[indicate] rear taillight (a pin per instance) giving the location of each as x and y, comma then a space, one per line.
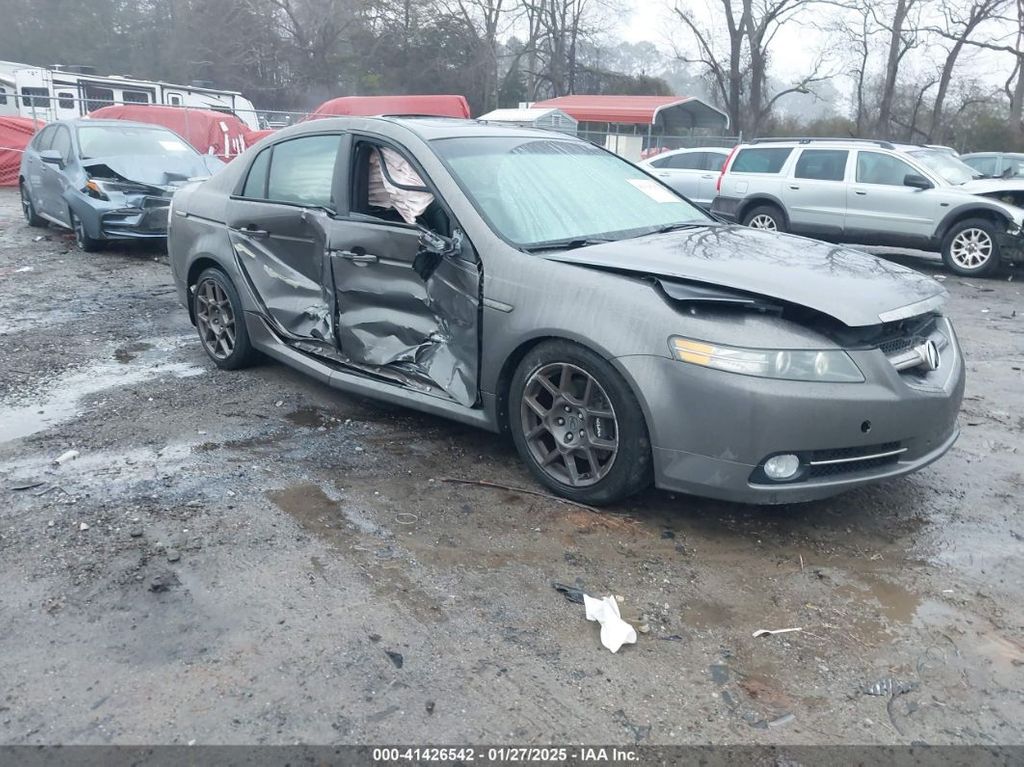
725, 166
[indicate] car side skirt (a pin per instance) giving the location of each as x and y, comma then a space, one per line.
264, 339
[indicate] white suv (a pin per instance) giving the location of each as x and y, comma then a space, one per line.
873, 193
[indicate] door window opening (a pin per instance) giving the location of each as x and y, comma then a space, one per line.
388, 187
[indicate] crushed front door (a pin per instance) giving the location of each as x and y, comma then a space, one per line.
389, 316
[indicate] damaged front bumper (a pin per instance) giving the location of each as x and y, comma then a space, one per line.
715, 441
125, 217
1011, 245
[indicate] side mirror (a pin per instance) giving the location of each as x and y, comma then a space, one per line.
434, 248
52, 157
917, 181
432, 242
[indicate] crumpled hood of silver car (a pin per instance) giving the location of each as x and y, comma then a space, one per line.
853, 287
164, 171
990, 185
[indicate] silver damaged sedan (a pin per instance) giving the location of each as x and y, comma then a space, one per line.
532, 283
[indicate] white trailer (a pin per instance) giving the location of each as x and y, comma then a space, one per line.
8, 91
59, 94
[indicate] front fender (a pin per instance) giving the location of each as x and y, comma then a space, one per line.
976, 207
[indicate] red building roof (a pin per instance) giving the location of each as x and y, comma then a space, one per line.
369, 106
670, 112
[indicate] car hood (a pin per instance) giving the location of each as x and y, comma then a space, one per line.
989, 185
853, 287
166, 171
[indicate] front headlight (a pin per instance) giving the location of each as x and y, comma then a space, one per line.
101, 189
832, 366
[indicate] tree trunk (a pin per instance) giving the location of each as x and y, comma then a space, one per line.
933, 133
892, 65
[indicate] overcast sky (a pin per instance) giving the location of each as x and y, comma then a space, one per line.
797, 44
654, 21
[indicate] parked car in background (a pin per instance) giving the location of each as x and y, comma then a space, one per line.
874, 193
691, 172
996, 164
106, 179
531, 282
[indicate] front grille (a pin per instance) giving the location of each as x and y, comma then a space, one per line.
904, 350
897, 345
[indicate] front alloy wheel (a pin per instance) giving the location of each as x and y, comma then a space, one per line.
569, 425
971, 248
84, 242
577, 424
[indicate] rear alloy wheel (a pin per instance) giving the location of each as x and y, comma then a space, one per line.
768, 218
84, 242
577, 425
220, 322
29, 209
970, 248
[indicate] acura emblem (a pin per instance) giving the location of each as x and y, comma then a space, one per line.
929, 354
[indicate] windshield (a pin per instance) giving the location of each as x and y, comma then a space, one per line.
111, 140
537, 191
946, 166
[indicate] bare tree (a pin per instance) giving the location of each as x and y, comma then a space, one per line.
855, 29
315, 30
960, 23
558, 27
1014, 86
739, 74
903, 36
485, 23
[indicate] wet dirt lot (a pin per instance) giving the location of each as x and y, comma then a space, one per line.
252, 557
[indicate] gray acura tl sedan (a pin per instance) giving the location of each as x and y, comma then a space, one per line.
533, 283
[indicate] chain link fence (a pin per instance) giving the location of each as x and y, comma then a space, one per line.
226, 133
48, 108
639, 144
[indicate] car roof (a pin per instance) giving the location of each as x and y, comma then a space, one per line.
993, 154
685, 149
427, 128
842, 143
79, 121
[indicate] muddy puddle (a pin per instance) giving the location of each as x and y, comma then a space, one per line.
59, 399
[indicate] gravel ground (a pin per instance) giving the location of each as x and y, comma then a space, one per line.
252, 557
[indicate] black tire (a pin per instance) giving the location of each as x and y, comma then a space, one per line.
85, 243
241, 353
957, 253
29, 210
628, 472
765, 213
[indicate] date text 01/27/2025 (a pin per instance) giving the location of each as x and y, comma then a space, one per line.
504, 754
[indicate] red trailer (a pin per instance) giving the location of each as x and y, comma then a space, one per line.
15, 134
370, 106
210, 132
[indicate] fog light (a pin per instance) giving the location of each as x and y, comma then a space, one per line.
782, 466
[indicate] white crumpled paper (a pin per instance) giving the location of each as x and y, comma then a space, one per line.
615, 632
